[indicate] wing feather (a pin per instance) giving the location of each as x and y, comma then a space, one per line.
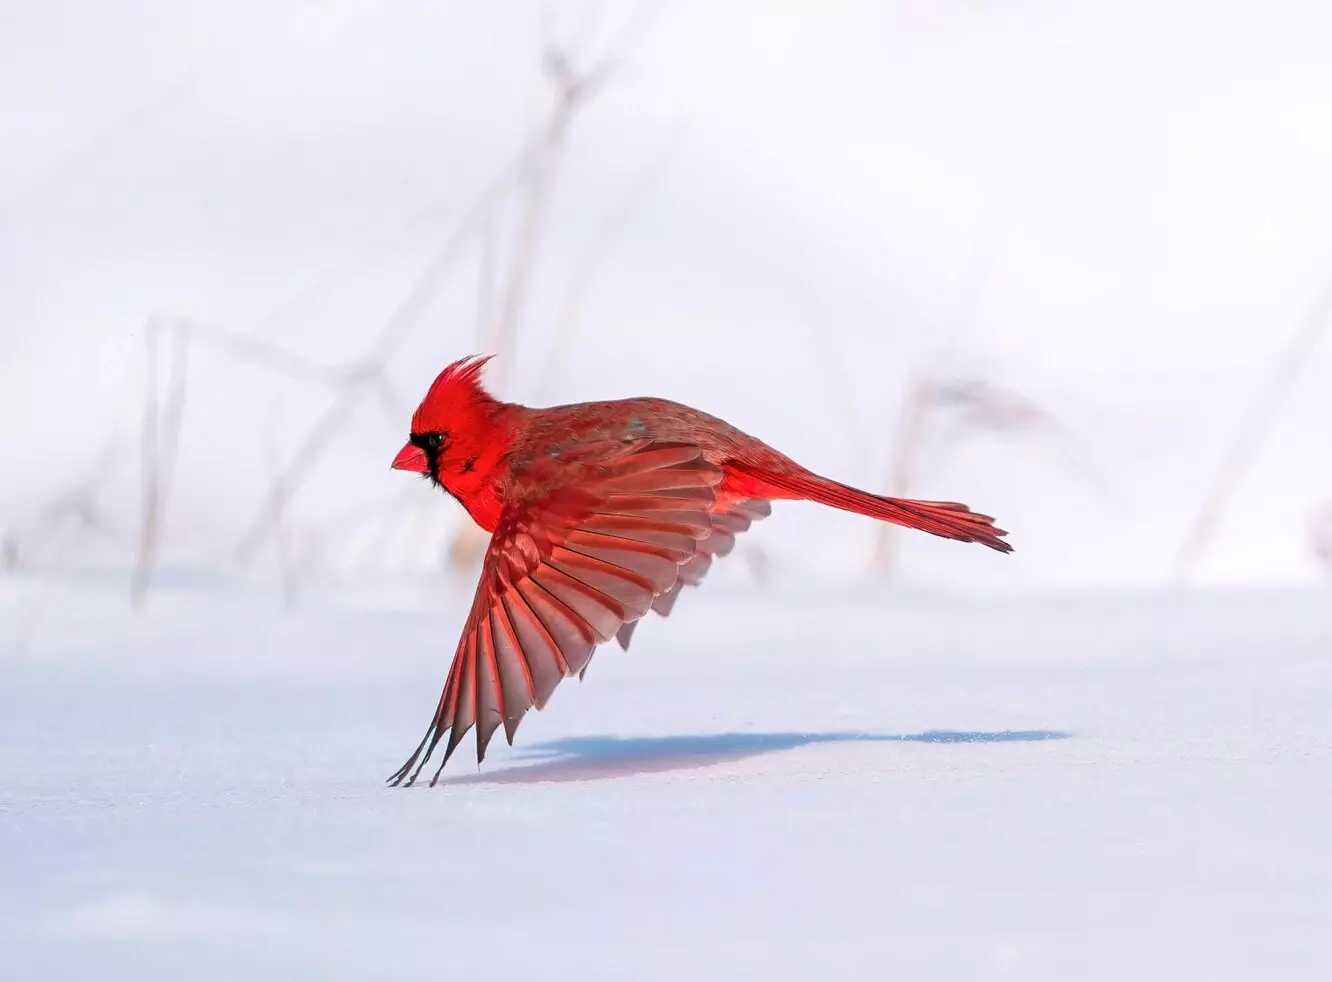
601, 613
517, 686
544, 659
567, 568
464, 714
634, 538
727, 521
489, 714
574, 637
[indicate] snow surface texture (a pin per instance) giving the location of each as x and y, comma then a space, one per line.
768, 787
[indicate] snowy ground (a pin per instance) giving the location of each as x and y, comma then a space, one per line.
768, 787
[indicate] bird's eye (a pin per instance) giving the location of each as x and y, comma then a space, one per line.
430, 442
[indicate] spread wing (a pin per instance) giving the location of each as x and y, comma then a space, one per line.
728, 521
566, 569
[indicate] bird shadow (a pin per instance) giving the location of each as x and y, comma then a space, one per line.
596, 758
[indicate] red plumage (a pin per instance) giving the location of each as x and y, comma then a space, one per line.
599, 512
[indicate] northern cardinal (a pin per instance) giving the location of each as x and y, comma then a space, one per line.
599, 512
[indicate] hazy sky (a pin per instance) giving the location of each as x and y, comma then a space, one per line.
1145, 185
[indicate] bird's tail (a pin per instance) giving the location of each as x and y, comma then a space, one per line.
944, 518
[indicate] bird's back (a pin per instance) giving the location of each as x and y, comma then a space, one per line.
641, 418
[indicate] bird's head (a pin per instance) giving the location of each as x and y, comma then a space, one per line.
453, 433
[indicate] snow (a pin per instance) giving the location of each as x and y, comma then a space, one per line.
799, 784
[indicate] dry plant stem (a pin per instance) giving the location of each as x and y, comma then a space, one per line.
502, 327
540, 179
571, 94
760, 565
248, 347
838, 386
162, 416
282, 537
395, 329
987, 250
581, 280
173, 411
78, 504
538, 162
317, 437
984, 408
150, 468
1076, 461
351, 384
1253, 429
263, 354
289, 480
1321, 532
909, 444
498, 333
366, 525
1068, 453
467, 547
281, 315
160, 442
485, 278
47, 589
986, 254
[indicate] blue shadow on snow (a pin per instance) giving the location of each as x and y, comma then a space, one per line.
595, 758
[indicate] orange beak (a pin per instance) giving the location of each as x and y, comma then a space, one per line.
411, 458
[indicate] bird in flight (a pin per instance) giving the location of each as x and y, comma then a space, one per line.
598, 512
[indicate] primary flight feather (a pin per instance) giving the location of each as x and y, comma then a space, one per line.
599, 512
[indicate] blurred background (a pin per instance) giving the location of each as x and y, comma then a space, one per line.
1069, 266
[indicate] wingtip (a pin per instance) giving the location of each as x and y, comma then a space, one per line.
996, 540
405, 776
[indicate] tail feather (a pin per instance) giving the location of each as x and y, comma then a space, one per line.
949, 519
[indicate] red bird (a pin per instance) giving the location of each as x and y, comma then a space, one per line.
599, 512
